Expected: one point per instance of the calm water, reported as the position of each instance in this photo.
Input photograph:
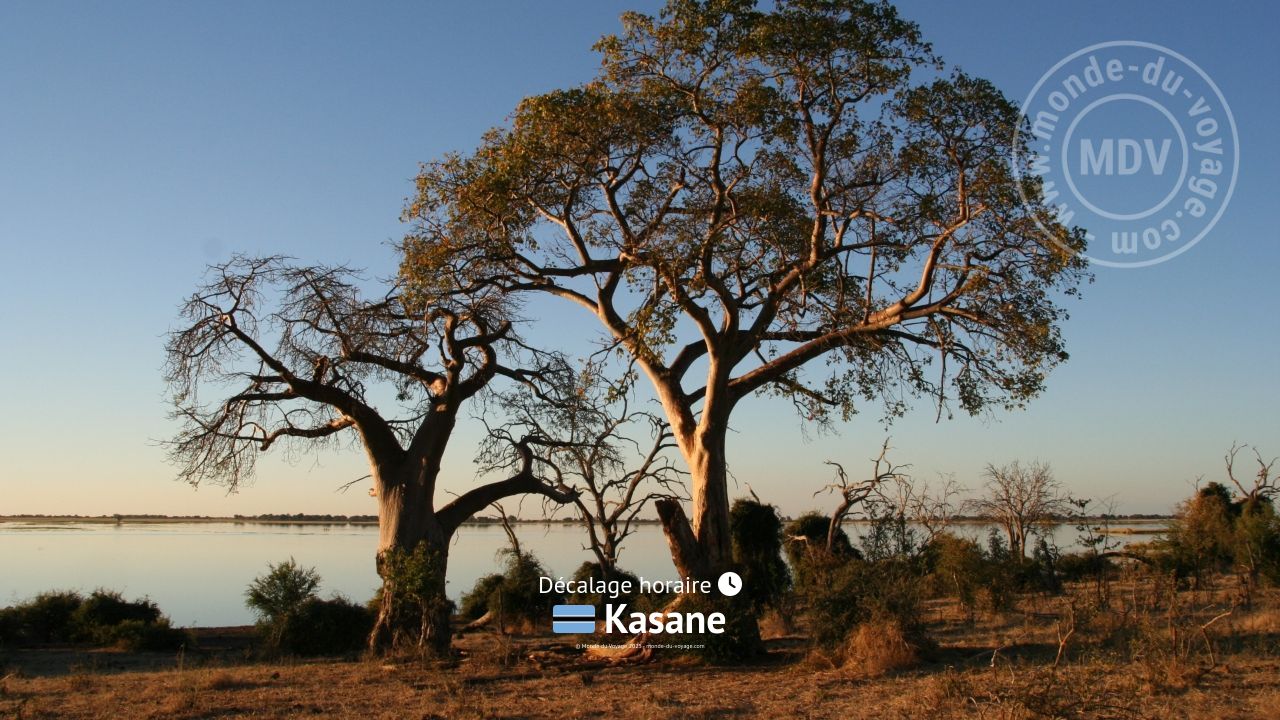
(197, 572)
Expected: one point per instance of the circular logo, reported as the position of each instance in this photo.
(730, 584)
(1134, 143)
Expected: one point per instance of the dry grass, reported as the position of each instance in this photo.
(999, 666)
(880, 648)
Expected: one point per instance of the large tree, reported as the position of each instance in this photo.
(741, 193)
(275, 353)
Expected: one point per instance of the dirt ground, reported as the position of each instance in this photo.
(999, 665)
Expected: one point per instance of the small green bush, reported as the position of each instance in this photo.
(413, 581)
(281, 591)
(591, 570)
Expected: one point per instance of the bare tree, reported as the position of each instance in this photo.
(1019, 498)
(588, 436)
(933, 508)
(858, 493)
(1265, 484)
(281, 354)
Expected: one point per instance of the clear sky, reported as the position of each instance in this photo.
(139, 141)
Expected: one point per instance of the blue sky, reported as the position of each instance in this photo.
(139, 141)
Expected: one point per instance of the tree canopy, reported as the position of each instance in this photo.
(742, 192)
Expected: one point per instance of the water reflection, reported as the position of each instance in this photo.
(197, 572)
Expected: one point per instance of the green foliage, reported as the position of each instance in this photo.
(475, 602)
(756, 530)
(740, 639)
(807, 537)
(620, 170)
(45, 618)
(839, 589)
(281, 591)
(1215, 532)
(103, 618)
(513, 596)
(103, 610)
(139, 635)
(326, 627)
(957, 568)
(591, 570)
(414, 583)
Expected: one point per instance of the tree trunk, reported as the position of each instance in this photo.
(413, 608)
(702, 548)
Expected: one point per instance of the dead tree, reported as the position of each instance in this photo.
(1019, 498)
(857, 493)
(1265, 485)
(588, 435)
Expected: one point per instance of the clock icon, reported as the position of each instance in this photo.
(730, 584)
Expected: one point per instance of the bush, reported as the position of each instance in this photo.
(1073, 567)
(740, 639)
(956, 568)
(513, 597)
(591, 570)
(97, 617)
(45, 618)
(414, 582)
(475, 602)
(281, 591)
(104, 618)
(840, 590)
(139, 635)
(807, 535)
(881, 647)
(756, 531)
(326, 627)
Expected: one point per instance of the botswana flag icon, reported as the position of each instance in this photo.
(573, 618)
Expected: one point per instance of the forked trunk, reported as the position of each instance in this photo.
(701, 548)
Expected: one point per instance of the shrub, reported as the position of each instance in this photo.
(513, 597)
(326, 627)
(140, 635)
(1078, 566)
(475, 602)
(881, 647)
(281, 591)
(807, 535)
(956, 568)
(97, 617)
(756, 531)
(591, 570)
(104, 618)
(47, 617)
(414, 583)
(740, 639)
